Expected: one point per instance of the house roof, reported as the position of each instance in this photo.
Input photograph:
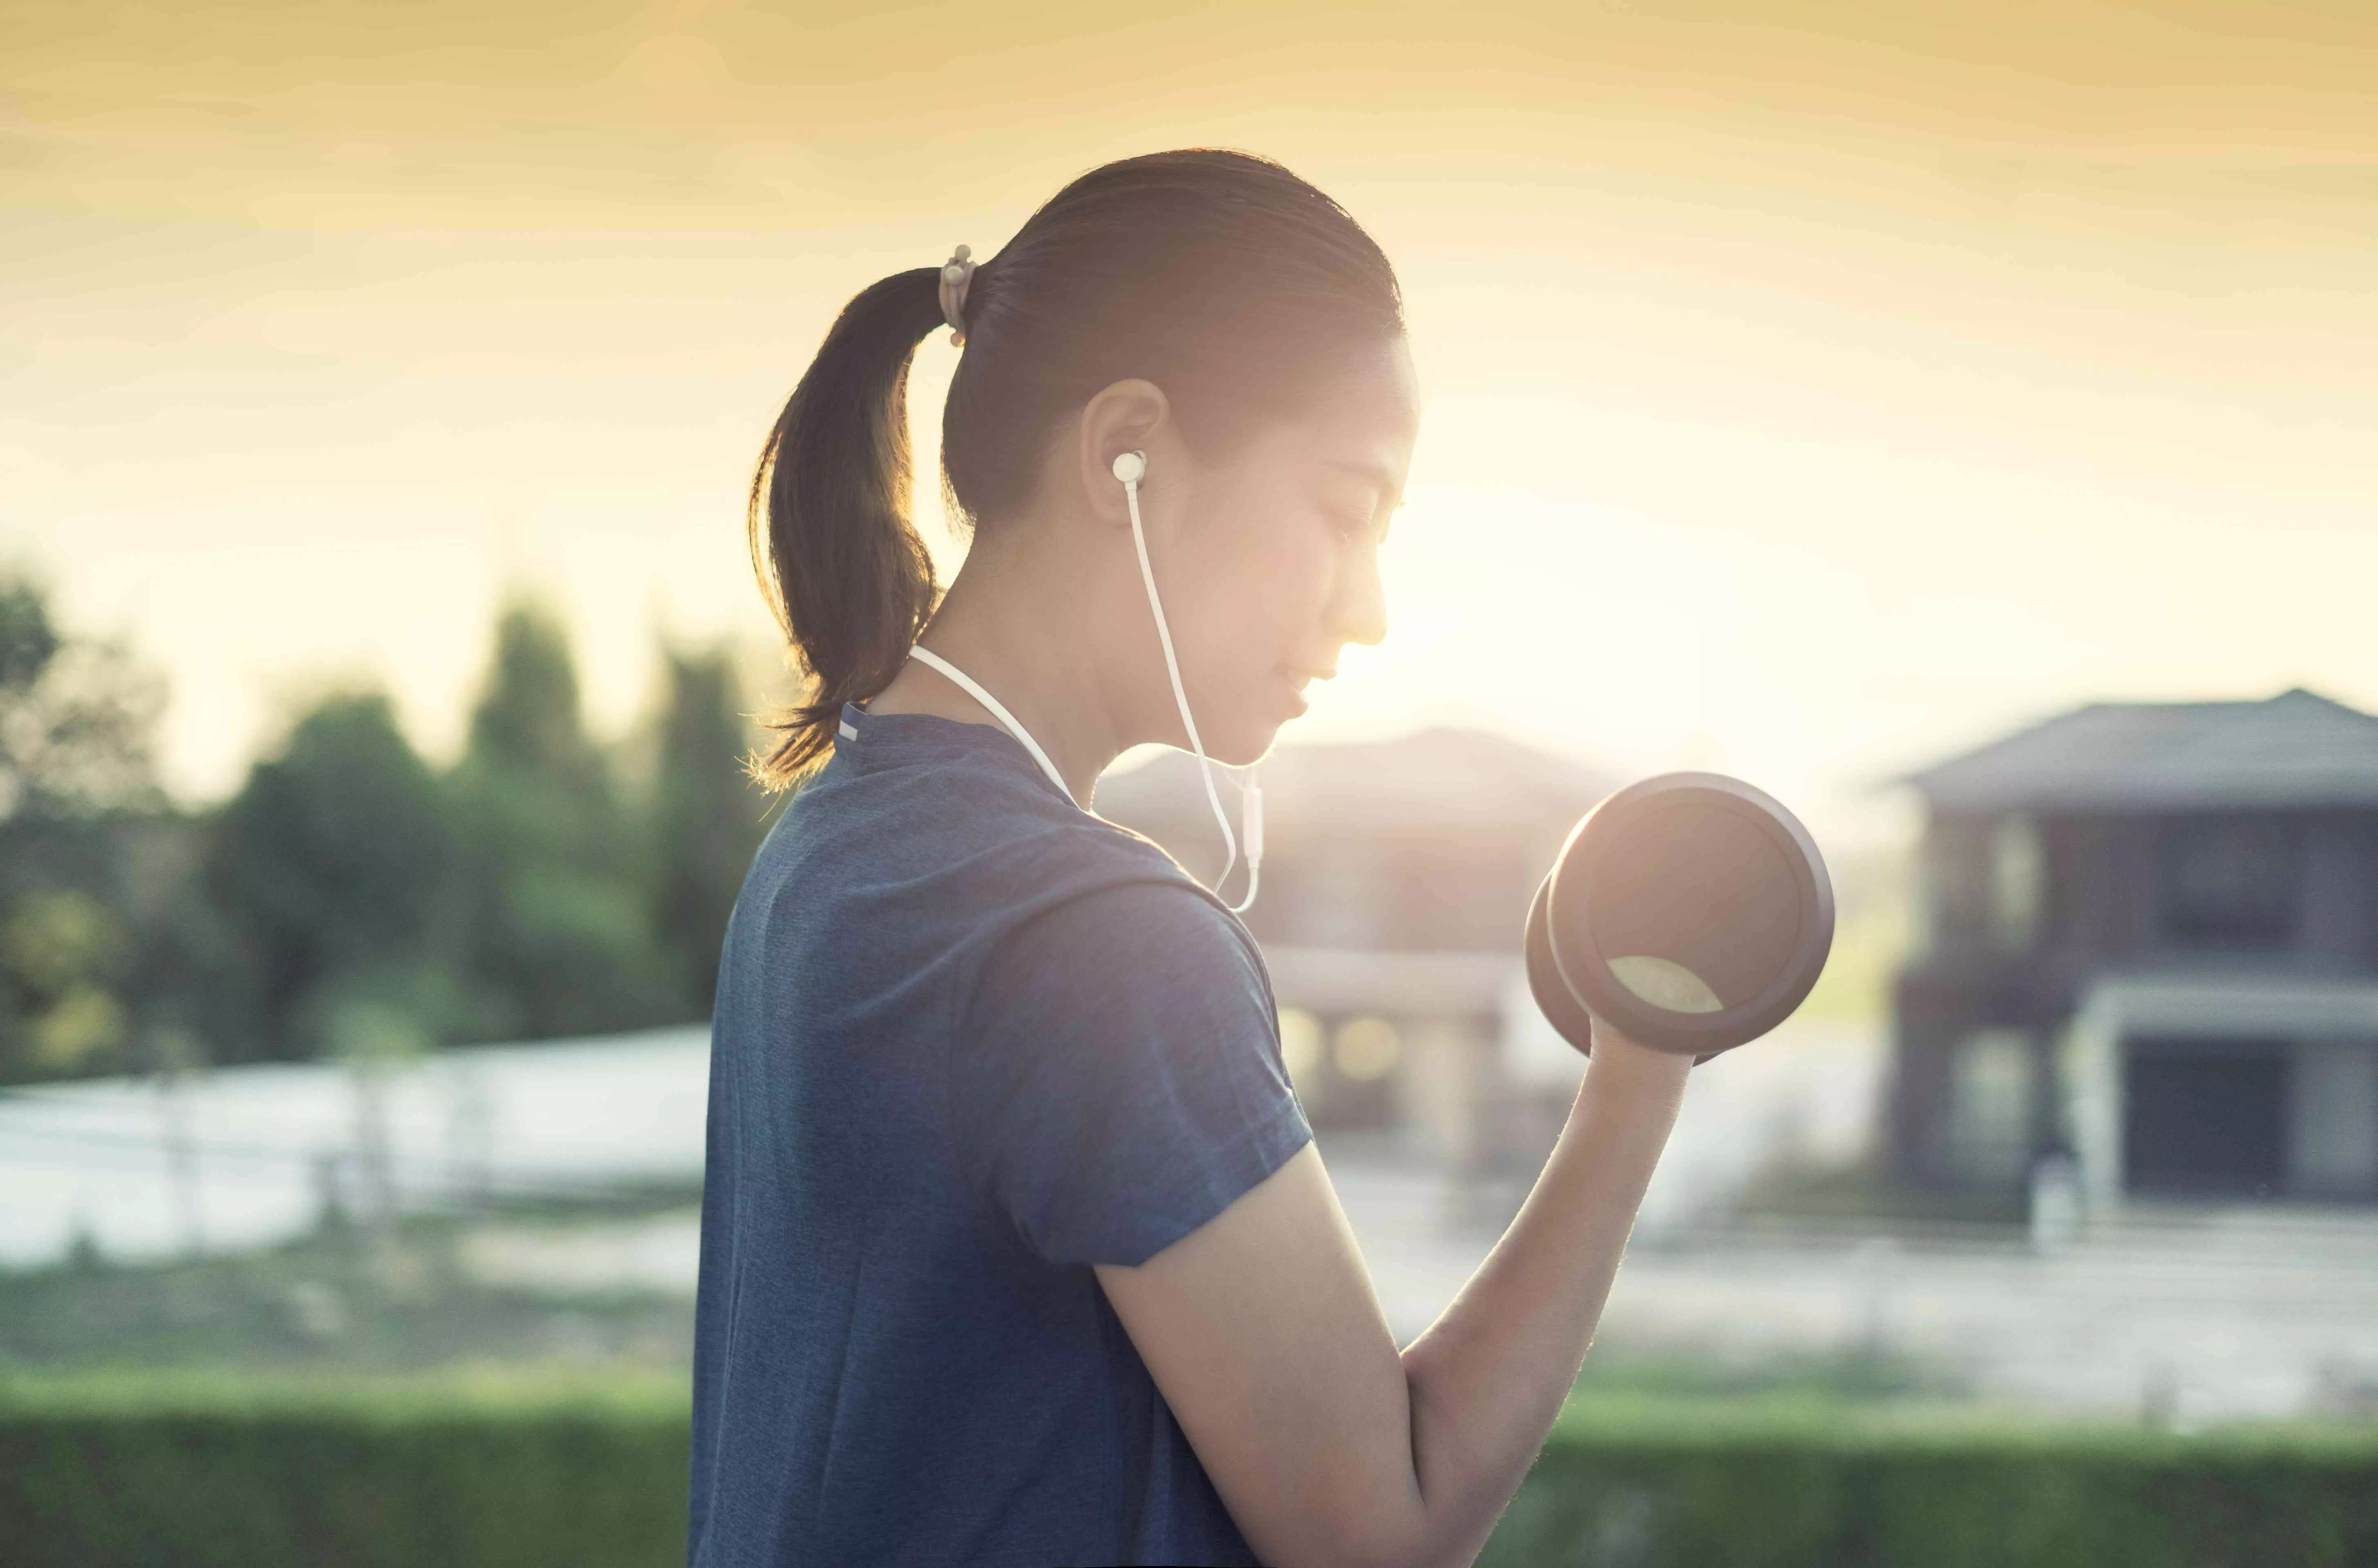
(1441, 777)
(2294, 751)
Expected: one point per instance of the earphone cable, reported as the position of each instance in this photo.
(1180, 696)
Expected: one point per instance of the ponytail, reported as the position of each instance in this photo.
(838, 558)
(1220, 276)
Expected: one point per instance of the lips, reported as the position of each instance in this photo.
(1295, 678)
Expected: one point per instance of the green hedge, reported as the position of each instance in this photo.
(451, 1474)
(510, 1472)
(1632, 1485)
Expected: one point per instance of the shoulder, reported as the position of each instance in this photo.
(962, 852)
(1128, 983)
(1150, 918)
(987, 833)
(943, 812)
(1117, 1079)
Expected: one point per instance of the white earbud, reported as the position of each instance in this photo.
(1130, 467)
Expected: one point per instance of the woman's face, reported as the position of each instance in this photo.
(1274, 565)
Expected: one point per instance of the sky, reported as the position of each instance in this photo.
(1813, 390)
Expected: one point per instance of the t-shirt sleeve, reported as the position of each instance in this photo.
(1118, 1078)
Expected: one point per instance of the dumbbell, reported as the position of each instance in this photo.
(1689, 910)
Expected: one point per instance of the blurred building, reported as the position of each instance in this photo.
(1396, 883)
(2149, 941)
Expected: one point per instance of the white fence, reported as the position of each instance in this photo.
(247, 1156)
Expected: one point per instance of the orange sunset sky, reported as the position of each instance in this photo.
(1812, 388)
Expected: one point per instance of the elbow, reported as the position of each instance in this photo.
(1373, 1534)
(1347, 1550)
(1378, 1549)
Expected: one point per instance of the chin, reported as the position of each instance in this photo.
(1246, 741)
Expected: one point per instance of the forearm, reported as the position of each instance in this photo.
(1489, 1376)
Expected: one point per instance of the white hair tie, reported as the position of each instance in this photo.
(957, 274)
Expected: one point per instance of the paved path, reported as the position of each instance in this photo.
(2186, 1315)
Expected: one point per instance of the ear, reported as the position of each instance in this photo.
(1131, 415)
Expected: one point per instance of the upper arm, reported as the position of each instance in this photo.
(1263, 1332)
(1118, 1079)
(1123, 1105)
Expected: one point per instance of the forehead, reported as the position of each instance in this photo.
(1366, 415)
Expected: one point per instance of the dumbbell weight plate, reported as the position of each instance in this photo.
(1690, 910)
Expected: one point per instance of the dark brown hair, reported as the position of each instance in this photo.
(1217, 276)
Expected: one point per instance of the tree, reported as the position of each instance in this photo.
(526, 719)
(559, 931)
(335, 864)
(348, 892)
(76, 718)
(707, 818)
(63, 952)
(77, 786)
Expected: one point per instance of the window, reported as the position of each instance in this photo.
(1953, 889)
(2018, 883)
(1989, 1106)
(2231, 882)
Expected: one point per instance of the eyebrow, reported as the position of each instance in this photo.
(1378, 473)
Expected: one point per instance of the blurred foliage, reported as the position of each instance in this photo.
(1780, 1484)
(1794, 1190)
(65, 948)
(707, 820)
(85, 918)
(1851, 1373)
(555, 910)
(588, 1468)
(342, 1301)
(334, 859)
(349, 891)
(358, 1476)
(76, 718)
(1873, 901)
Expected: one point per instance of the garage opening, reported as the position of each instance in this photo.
(2205, 1120)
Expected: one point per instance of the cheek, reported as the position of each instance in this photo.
(1268, 602)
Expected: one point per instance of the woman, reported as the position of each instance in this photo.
(1016, 1248)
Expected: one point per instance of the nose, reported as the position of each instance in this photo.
(1362, 607)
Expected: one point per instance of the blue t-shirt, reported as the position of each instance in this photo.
(970, 1040)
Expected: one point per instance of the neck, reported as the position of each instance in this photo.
(999, 624)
